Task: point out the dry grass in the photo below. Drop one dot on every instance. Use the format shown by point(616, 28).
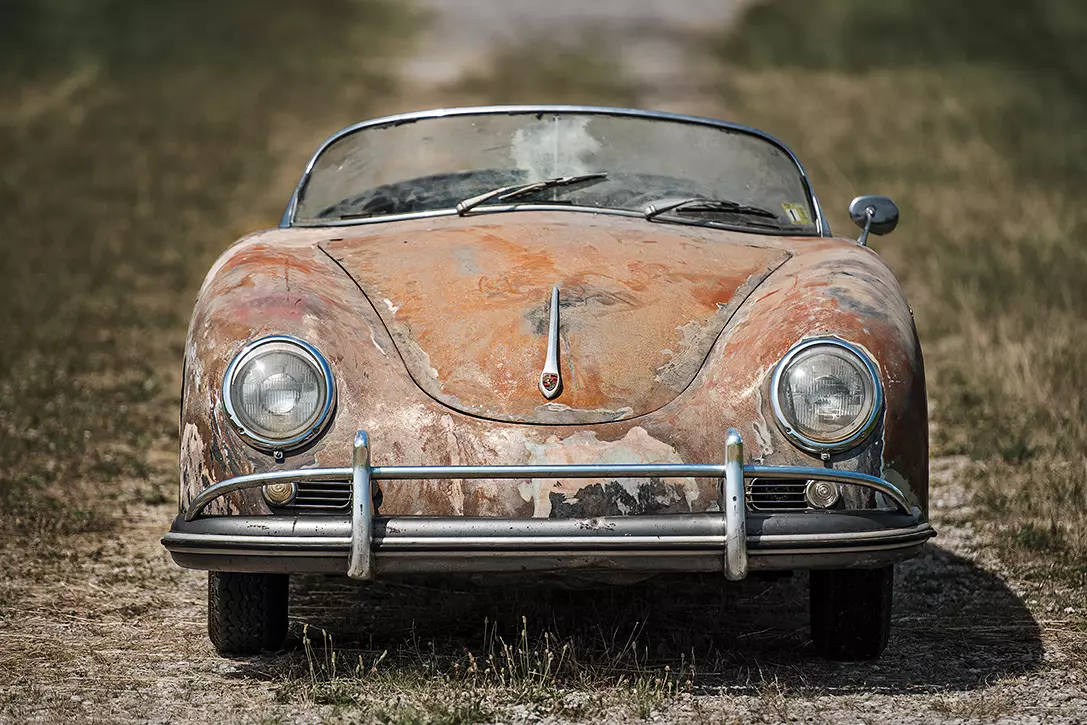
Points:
point(665, 648)
point(973, 708)
point(536, 673)
point(138, 140)
point(973, 116)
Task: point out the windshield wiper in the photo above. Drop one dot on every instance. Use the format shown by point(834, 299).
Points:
point(514, 191)
point(701, 204)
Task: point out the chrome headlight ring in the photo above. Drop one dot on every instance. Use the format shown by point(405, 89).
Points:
point(314, 424)
point(857, 432)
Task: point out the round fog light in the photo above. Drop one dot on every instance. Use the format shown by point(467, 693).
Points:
point(280, 494)
point(822, 494)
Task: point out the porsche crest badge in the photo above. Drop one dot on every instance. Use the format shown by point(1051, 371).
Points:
point(550, 378)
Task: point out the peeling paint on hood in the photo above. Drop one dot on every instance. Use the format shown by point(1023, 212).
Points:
point(640, 307)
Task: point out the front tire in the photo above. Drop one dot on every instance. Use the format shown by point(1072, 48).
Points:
point(851, 612)
point(247, 613)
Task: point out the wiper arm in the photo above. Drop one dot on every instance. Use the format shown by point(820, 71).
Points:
point(514, 191)
point(701, 204)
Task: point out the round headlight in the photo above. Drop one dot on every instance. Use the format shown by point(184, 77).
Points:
point(826, 395)
point(279, 392)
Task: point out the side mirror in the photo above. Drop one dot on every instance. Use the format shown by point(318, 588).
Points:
point(875, 214)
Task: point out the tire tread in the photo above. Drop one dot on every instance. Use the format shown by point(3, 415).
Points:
point(247, 613)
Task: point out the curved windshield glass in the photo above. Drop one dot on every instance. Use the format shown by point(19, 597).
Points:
point(648, 165)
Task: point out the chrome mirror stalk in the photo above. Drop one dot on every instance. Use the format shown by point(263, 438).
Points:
point(873, 214)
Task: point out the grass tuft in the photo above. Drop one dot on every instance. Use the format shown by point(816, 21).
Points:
point(535, 673)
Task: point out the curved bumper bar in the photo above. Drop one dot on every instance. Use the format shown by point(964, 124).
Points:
point(648, 544)
point(733, 533)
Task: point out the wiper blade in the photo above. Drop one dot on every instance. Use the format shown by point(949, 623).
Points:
point(697, 203)
point(514, 191)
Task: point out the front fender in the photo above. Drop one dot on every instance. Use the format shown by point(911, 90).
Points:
point(829, 288)
point(272, 283)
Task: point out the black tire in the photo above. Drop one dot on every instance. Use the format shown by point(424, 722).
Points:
point(851, 612)
point(247, 613)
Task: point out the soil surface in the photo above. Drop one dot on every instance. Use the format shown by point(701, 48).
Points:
point(107, 629)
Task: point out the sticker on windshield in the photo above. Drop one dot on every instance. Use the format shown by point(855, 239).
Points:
point(797, 213)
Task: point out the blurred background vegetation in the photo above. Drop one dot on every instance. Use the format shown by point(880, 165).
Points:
point(972, 115)
point(138, 139)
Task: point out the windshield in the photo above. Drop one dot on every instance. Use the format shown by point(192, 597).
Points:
point(432, 164)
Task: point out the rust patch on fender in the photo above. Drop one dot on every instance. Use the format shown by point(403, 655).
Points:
point(829, 288)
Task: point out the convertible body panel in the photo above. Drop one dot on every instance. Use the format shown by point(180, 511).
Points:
point(782, 290)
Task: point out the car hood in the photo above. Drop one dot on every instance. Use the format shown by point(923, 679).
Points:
point(467, 300)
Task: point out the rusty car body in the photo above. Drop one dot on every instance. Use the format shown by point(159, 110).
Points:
point(564, 340)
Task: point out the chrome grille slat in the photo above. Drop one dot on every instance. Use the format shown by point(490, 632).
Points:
point(321, 496)
point(769, 494)
point(763, 494)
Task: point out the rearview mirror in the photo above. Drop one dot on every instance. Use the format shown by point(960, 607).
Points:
point(875, 214)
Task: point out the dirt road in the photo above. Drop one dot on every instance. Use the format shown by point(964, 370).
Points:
point(653, 37)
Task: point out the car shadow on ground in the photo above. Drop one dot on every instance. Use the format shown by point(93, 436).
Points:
point(956, 627)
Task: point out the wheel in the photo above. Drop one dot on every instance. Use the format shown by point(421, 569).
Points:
point(851, 612)
point(247, 613)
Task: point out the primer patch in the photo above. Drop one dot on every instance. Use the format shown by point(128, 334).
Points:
point(637, 446)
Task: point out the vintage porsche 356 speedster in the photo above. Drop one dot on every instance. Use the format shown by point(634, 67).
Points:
point(553, 340)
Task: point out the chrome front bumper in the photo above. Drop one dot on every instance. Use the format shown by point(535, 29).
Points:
point(731, 541)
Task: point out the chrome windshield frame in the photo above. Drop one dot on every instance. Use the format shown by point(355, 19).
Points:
point(288, 219)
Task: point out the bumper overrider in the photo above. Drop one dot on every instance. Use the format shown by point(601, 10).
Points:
point(732, 541)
